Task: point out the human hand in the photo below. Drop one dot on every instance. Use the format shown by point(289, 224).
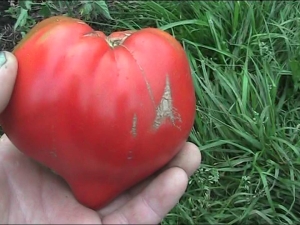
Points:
point(31, 193)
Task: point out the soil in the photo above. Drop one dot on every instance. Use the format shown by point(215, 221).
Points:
point(8, 37)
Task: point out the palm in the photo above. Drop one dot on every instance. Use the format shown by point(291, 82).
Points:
point(35, 195)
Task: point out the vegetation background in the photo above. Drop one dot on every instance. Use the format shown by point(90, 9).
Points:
point(244, 57)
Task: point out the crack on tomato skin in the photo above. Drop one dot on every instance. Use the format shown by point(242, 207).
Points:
point(91, 34)
point(116, 41)
point(149, 89)
point(53, 154)
point(165, 109)
point(134, 124)
point(130, 155)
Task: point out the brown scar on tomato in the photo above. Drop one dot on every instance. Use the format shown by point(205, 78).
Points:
point(91, 34)
point(165, 108)
point(117, 38)
point(53, 154)
point(134, 123)
point(114, 42)
point(94, 34)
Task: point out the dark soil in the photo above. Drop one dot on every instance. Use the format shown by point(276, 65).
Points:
point(8, 37)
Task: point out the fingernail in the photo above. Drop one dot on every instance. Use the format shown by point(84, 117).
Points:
point(3, 59)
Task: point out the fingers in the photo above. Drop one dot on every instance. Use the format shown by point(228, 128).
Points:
point(154, 202)
point(5, 144)
point(7, 148)
point(188, 159)
point(8, 73)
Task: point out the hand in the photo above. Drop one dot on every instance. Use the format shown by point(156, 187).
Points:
point(31, 193)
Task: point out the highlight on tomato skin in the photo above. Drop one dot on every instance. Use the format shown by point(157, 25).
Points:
point(103, 112)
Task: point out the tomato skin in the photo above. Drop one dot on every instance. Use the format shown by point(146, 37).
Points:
point(102, 117)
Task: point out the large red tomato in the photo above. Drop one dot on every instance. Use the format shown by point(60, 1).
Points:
point(104, 112)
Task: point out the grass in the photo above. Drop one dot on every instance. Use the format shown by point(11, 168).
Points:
point(245, 64)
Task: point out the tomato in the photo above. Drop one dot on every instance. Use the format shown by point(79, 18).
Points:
point(103, 112)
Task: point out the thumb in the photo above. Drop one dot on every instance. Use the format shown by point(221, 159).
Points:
point(8, 74)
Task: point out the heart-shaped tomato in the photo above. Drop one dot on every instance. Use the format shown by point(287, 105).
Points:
point(103, 112)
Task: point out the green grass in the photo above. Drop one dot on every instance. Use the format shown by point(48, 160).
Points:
point(245, 62)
